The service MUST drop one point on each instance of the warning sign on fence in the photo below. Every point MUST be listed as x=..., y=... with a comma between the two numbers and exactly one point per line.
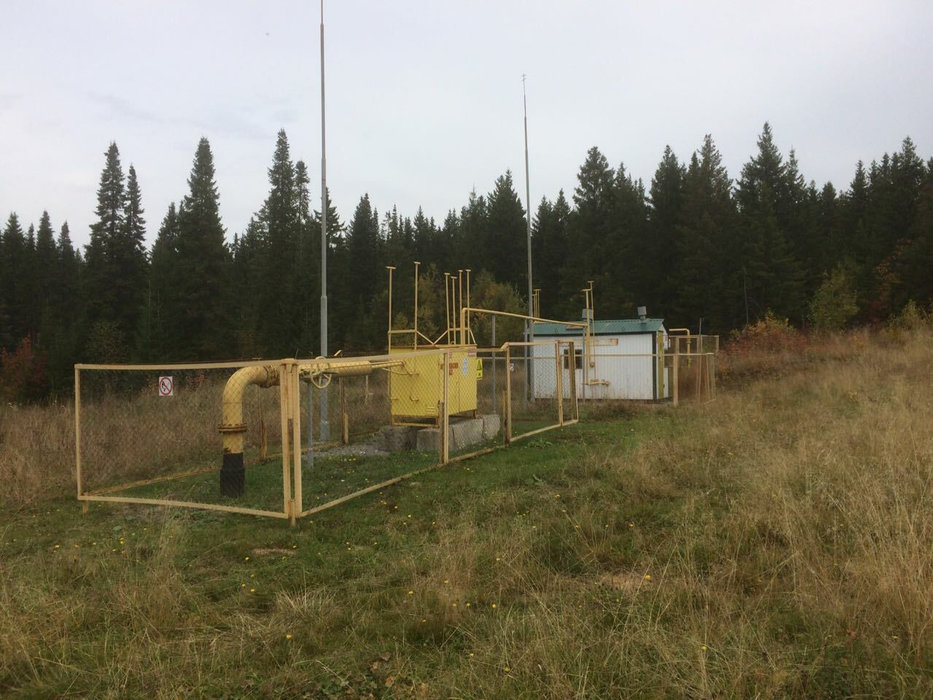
x=166, y=386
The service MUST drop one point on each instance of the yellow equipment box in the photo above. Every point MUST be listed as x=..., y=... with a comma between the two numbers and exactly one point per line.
x=416, y=393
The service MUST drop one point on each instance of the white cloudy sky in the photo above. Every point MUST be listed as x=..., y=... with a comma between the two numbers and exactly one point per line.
x=424, y=97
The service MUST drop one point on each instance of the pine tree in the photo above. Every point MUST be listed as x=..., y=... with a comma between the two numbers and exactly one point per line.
x=13, y=291
x=623, y=279
x=469, y=249
x=589, y=228
x=130, y=263
x=201, y=306
x=115, y=265
x=362, y=327
x=162, y=295
x=707, y=265
x=774, y=276
x=44, y=279
x=337, y=265
x=278, y=233
x=62, y=337
x=425, y=238
x=666, y=199
x=506, y=246
x=111, y=199
x=307, y=296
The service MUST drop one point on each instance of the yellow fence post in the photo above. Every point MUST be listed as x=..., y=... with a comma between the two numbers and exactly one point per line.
x=445, y=412
x=559, y=384
x=508, y=394
x=84, y=505
x=676, y=372
x=296, y=443
x=713, y=375
x=285, y=410
x=572, y=353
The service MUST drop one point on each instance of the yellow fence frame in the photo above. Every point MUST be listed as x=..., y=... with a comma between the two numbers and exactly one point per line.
x=290, y=413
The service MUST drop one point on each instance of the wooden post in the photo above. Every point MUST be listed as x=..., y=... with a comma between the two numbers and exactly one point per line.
x=676, y=380
x=713, y=375
x=559, y=385
x=296, y=443
x=445, y=412
x=343, y=410
x=699, y=371
x=84, y=506
x=572, y=363
x=508, y=394
x=285, y=410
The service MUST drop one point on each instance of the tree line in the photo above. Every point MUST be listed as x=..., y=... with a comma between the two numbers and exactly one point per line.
x=697, y=247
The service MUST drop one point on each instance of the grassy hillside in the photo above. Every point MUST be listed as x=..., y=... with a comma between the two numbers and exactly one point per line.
x=776, y=542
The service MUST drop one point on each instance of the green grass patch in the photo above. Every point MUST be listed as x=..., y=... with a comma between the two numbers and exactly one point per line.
x=772, y=544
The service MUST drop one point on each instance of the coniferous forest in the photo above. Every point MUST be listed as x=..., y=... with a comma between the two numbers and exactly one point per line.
x=700, y=247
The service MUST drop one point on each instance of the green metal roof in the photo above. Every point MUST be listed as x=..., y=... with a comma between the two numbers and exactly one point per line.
x=623, y=326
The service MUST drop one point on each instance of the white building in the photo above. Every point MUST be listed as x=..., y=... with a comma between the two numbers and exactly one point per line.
x=626, y=360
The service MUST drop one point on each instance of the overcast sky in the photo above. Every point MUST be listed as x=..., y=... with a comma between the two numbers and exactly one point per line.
x=424, y=97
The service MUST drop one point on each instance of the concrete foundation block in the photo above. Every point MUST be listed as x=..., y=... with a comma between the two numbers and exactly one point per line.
x=466, y=433
x=428, y=440
x=395, y=438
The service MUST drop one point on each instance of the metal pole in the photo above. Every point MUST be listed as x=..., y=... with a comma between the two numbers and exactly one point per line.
x=495, y=361
x=531, y=309
x=325, y=428
x=389, y=333
x=416, y=304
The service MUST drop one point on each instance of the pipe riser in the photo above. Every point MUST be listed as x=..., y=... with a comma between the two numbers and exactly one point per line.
x=232, y=475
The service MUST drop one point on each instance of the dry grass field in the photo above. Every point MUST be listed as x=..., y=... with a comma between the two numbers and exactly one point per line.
x=776, y=542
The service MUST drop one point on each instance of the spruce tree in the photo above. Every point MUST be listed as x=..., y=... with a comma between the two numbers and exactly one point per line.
x=162, y=293
x=336, y=262
x=657, y=250
x=279, y=223
x=111, y=198
x=308, y=274
x=589, y=228
x=549, y=248
x=469, y=250
x=13, y=291
x=775, y=278
x=115, y=265
x=625, y=281
x=506, y=247
x=361, y=323
x=201, y=308
x=707, y=269
x=62, y=338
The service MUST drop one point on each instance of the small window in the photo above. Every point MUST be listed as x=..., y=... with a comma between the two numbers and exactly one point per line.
x=577, y=358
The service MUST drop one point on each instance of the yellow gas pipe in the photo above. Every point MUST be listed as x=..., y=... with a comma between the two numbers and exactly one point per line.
x=232, y=427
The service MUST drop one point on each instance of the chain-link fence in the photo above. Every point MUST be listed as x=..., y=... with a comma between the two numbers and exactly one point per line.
x=163, y=434
x=691, y=360
x=288, y=438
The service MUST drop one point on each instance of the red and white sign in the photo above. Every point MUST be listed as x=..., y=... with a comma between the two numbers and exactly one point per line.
x=166, y=386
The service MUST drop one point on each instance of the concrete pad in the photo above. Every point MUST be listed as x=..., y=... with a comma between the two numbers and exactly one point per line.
x=395, y=438
x=428, y=440
x=491, y=425
x=466, y=433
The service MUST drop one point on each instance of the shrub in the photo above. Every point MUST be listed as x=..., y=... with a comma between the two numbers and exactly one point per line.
x=769, y=335
x=23, y=375
x=833, y=304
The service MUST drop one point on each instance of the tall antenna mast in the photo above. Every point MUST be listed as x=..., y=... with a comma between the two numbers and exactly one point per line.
x=324, y=425
x=531, y=306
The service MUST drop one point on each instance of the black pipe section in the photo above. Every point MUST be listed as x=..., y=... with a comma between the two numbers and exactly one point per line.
x=232, y=475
